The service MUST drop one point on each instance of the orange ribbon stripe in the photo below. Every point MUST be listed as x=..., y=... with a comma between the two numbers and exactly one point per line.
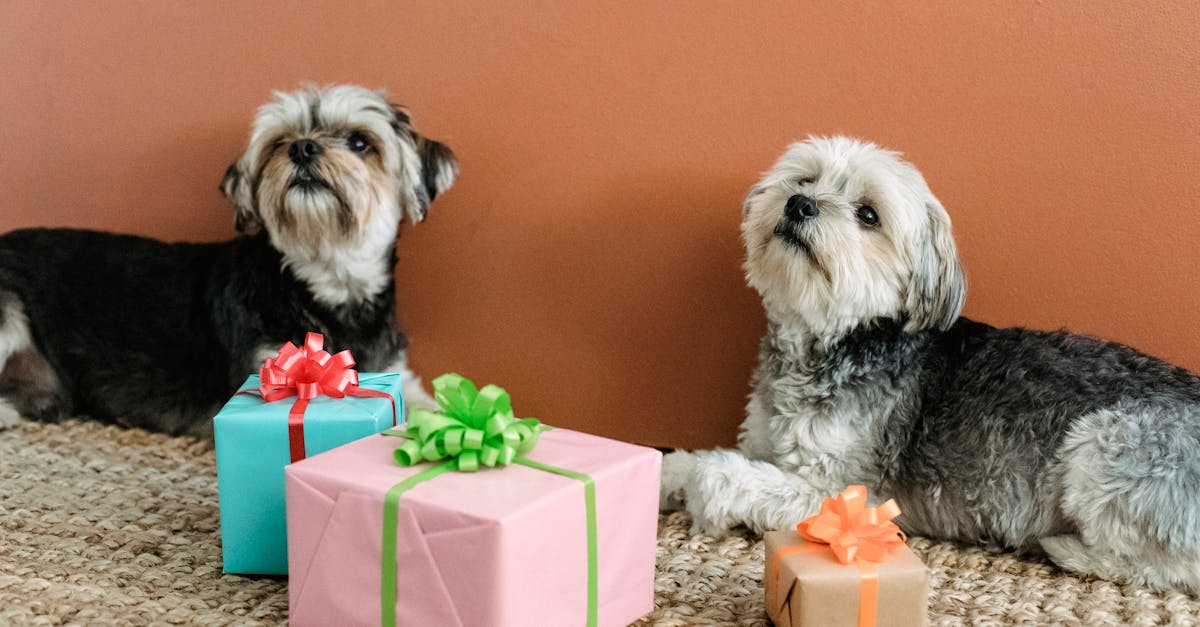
x=868, y=594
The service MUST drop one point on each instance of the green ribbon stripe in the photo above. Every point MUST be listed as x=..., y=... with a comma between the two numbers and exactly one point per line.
x=391, y=514
x=476, y=427
x=589, y=503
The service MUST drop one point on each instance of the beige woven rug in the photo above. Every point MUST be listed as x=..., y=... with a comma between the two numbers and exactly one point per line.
x=108, y=526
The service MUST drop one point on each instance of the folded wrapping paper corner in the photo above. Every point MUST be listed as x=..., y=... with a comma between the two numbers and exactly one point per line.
x=847, y=565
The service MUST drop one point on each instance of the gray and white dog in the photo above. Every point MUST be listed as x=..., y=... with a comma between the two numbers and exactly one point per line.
x=157, y=335
x=1086, y=450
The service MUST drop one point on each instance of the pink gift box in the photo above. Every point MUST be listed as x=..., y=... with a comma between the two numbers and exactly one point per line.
x=504, y=546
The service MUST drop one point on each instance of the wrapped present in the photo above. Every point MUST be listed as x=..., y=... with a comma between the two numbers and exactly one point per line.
x=848, y=565
x=302, y=402
x=470, y=516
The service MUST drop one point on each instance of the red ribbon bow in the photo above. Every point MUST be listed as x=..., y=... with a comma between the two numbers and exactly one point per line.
x=308, y=372
x=852, y=530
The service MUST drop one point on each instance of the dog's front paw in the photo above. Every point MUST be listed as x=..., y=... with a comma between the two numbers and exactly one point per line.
x=415, y=396
x=9, y=416
x=720, y=491
x=677, y=470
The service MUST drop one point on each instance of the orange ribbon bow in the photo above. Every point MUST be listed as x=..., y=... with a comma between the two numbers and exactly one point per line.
x=852, y=530
x=856, y=534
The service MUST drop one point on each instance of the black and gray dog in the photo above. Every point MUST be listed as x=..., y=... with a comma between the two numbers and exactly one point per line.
x=156, y=335
x=1086, y=450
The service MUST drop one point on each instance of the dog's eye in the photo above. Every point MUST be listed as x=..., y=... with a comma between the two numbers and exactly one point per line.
x=867, y=215
x=357, y=142
x=805, y=181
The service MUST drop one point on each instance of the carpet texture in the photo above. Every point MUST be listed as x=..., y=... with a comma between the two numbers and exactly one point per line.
x=107, y=526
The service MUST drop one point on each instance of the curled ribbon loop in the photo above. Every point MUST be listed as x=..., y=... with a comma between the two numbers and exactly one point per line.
x=852, y=530
x=475, y=428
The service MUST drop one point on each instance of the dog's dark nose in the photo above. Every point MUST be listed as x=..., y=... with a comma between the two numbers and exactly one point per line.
x=304, y=151
x=800, y=208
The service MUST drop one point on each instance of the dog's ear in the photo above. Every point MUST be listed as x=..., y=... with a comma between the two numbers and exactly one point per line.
x=438, y=171
x=235, y=187
x=439, y=167
x=938, y=288
x=755, y=190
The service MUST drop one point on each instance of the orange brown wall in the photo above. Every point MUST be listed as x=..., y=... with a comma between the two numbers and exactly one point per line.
x=588, y=257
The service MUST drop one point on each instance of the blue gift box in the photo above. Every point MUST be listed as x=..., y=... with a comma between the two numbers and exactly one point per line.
x=252, y=449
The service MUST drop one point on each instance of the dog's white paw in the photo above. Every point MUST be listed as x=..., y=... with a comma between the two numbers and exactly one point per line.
x=9, y=416
x=415, y=396
x=677, y=468
x=724, y=490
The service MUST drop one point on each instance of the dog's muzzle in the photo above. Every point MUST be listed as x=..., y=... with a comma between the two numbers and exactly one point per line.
x=303, y=153
x=799, y=210
x=789, y=233
x=305, y=179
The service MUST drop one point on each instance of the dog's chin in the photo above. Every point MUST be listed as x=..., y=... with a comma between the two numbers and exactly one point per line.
x=793, y=242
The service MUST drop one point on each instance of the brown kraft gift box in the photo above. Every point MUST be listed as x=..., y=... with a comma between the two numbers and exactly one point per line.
x=809, y=587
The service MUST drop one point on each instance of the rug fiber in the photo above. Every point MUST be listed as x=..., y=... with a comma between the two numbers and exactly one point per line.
x=107, y=526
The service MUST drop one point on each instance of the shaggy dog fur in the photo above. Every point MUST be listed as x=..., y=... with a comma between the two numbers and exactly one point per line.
x=1084, y=449
x=158, y=335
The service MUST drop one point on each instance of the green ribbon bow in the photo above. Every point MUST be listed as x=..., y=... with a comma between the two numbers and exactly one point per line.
x=475, y=427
